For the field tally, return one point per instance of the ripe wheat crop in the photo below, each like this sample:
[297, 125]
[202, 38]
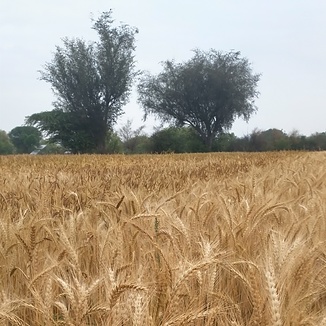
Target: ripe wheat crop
[196, 239]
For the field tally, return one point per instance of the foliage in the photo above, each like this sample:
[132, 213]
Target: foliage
[114, 144]
[225, 142]
[186, 140]
[208, 92]
[6, 146]
[134, 141]
[316, 141]
[91, 81]
[139, 144]
[176, 140]
[126, 132]
[296, 141]
[271, 139]
[25, 139]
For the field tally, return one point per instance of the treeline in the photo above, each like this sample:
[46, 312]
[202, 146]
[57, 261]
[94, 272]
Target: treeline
[186, 140]
[26, 139]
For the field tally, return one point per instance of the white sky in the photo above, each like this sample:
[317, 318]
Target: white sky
[285, 40]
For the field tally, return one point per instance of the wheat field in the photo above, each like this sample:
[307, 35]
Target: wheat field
[192, 239]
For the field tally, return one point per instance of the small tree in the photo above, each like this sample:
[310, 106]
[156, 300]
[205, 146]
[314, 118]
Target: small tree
[25, 138]
[114, 144]
[6, 147]
[226, 142]
[91, 81]
[269, 140]
[177, 140]
[126, 132]
[296, 140]
[208, 92]
[133, 140]
[317, 141]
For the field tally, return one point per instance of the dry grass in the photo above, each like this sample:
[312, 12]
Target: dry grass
[202, 239]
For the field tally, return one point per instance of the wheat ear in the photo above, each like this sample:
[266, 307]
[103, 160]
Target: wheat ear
[118, 290]
[274, 297]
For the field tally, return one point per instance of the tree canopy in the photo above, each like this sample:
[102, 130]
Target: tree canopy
[91, 82]
[207, 92]
[25, 139]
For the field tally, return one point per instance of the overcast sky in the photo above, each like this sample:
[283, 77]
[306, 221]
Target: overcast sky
[285, 40]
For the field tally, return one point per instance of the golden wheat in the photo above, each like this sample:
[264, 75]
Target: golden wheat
[192, 239]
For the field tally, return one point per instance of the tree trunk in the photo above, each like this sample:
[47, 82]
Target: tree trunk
[209, 142]
[100, 139]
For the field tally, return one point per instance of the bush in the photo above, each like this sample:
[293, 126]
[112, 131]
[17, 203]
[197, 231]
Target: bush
[6, 147]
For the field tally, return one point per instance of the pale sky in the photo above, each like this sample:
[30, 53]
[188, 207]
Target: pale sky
[285, 40]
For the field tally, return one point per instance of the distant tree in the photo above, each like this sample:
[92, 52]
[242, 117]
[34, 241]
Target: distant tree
[140, 144]
[126, 132]
[269, 140]
[132, 138]
[91, 81]
[208, 92]
[297, 141]
[275, 139]
[25, 139]
[257, 143]
[176, 140]
[317, 141]
[6, 147]
[167, 141]
[114, 144]
[225, 142]
[242, 144]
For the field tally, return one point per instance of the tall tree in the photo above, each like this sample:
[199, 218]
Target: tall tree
[208, 92]
[91, 82]
[25, 138]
